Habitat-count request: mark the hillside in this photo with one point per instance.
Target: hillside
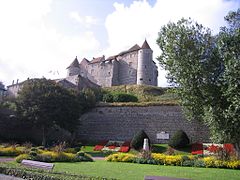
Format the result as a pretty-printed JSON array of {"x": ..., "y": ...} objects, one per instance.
[{"x": 147, "y": 95}]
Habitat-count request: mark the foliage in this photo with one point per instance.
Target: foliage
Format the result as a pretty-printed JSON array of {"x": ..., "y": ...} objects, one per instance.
[
  {"x": 138, "y": 139},
  {"x": 10, "y": 151},
  {"x": 46, "y": 104},
  {"x": 108, "y": 97},
  {"x": 144, "y": 93},
  {"x": 123, "y": 97},
  {"x": 179, "y": 139},
  {"x": 206, "y": 69},
  {"x": 175, "y": 160},
  {"x": 121, "y": 157},
  {"x": 51, "y": 156}
]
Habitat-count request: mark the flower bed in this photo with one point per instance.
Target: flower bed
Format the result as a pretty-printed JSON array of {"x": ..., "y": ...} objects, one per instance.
[
  {"x": 115, "y": 146},
  {"x": 175, "y": 160}
]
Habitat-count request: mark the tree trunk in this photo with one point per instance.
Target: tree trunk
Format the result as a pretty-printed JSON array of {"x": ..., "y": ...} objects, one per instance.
[
  {"x": 237, "y": 149},
  {"x": 43, "y": 136}
]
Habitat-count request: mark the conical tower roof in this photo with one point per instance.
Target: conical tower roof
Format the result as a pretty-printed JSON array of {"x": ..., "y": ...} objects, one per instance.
[
  {"x": 75, "y": 63},
  {"x": 145, "y": 45}
]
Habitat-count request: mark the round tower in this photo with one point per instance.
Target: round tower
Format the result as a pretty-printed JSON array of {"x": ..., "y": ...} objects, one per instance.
[
  {"x": 145, "y": 68},
  {"x": 74, "y": 68}
]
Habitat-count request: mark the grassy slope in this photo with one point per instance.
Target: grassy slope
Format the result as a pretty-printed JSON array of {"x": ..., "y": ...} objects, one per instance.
[
  {"x": 146, "y": 94},
  {"x": 132, "y": 171}
]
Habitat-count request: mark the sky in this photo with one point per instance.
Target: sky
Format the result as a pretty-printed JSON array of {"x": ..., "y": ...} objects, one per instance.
[{"x": 40, "y": 38}]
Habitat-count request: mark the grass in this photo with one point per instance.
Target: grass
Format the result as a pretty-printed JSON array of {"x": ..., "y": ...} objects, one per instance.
[
  {"x": 132, "y": 171},
  {"x": 147, "y": 95},
  {"x": 89, "y": 150}
]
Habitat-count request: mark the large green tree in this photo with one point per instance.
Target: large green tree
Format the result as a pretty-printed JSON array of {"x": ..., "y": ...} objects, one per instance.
[
  {"x": 48, "y": 105},
  {"x": 206, "y": 70}
]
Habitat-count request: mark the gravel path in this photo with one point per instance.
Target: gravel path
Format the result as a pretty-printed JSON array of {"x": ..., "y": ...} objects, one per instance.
[
  {"x": 5, "y": 177},
  {"x": 6, "y": 159}
]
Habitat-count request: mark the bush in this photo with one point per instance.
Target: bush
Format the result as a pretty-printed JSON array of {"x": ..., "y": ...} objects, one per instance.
[
  {"x": 107, "y": 98},
  {"x": 19, "y": 158},
  {"x": 121, "y": 157},
  {"x": 179, "y": 140},
  {"x": 138, "y": 139},
  {"x": 10, "y": 151},
  {"x": 50, "y": 156},
  {"x": 123, "y": 97}
]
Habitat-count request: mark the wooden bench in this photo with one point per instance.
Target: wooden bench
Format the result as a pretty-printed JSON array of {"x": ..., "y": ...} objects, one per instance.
[{"x": 37, "y": 164}]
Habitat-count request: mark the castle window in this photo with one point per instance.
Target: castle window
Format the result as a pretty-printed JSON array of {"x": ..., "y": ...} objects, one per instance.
[
  {"x": 150, "y": 80},
  {"x": 145, "y": 67},
  {"x": 92, "y": 71},
  {"x": 130, "y": 64},
  {"x": 109, "y": 73},
  {"x": 141, "y": 79}
]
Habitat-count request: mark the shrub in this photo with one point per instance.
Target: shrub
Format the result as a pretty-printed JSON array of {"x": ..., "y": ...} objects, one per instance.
[
  {"x": 21, "y": 157},
  {"x": 50, "y": 156},
  {"x": 123, "y": 97},
  {"x": 209, "y": 161},
  {"x": 199, "y": 163},
  {"x": 179, "y": 139},
  {"x": 138, "y": 139},
  {"x": 108, "y": 98},
  {"x": 121, "y": 157},
  {"x": 10, "y": 151},
  {"x": 189, "y": 163}
]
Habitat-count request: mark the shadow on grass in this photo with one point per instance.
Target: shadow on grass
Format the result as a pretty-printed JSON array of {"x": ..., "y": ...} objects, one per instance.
[{"x": 159, "y": 148}]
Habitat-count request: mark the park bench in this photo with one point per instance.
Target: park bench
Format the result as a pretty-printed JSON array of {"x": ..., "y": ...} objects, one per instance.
[{"x": 37, "y": 164}]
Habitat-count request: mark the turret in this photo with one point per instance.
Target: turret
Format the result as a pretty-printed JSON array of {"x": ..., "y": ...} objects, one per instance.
[
  {"x": 145, "y": 66},
  {"x": 74, "y": 68}
]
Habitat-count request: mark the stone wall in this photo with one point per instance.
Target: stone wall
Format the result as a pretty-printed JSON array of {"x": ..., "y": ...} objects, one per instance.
[{"x": 121, "y": 123}]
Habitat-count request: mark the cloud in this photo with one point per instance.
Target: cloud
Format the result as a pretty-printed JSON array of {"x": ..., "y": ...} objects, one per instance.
[
  {"x": 87, "y": 21},
  {"x": 129, "y": 25},
  {"x": 29, "y": 48}
]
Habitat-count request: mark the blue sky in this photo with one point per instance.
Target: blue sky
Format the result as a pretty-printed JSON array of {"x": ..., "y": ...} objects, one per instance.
[{"x": 41, "y": 37}]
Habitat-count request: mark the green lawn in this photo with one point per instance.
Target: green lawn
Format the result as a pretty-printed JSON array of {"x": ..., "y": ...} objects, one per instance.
[{"x": 133, "y": 171}]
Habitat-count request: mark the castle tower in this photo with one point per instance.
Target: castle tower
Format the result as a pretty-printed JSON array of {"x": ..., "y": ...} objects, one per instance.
[
  {"x": 74, "y": 68},
  {"x": 145, "y": 65}
]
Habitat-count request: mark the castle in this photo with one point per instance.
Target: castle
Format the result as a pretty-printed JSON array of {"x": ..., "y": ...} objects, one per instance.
[{"x": 134, "y": 66}]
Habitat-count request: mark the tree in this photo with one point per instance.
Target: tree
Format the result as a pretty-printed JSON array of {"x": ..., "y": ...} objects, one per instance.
[
  {"x": 47, "y": 105},
  {"x": 206, "y": 70}
]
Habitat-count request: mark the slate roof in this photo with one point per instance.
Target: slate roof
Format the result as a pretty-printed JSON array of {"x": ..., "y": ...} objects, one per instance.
[
  {"x": 75, "y": 63},
  {"x": 145, "y": 45},
  {"x": 84, "y": 61},
  {"x": 98, "y": 59},
  {"x": 134, "y": 48}
]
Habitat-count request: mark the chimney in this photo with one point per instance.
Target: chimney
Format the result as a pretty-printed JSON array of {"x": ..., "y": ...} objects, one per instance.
[
  {"x": 13, "y": 82},
  {"x": 17, "y": 81}
]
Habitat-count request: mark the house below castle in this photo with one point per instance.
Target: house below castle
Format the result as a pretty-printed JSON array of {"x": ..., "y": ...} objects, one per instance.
[{"x": 134, "y": 66}]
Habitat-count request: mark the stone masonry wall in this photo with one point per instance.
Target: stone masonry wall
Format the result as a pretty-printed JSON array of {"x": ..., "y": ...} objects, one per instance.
[{"x": 121, "y": 123}]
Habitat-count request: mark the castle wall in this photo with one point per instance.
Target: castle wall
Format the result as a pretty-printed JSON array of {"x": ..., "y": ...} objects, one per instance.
[
  {"x": 121, "y": 123},
  {"x": 128, "y": 68},
  {"x": 73, "y": 71}
]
